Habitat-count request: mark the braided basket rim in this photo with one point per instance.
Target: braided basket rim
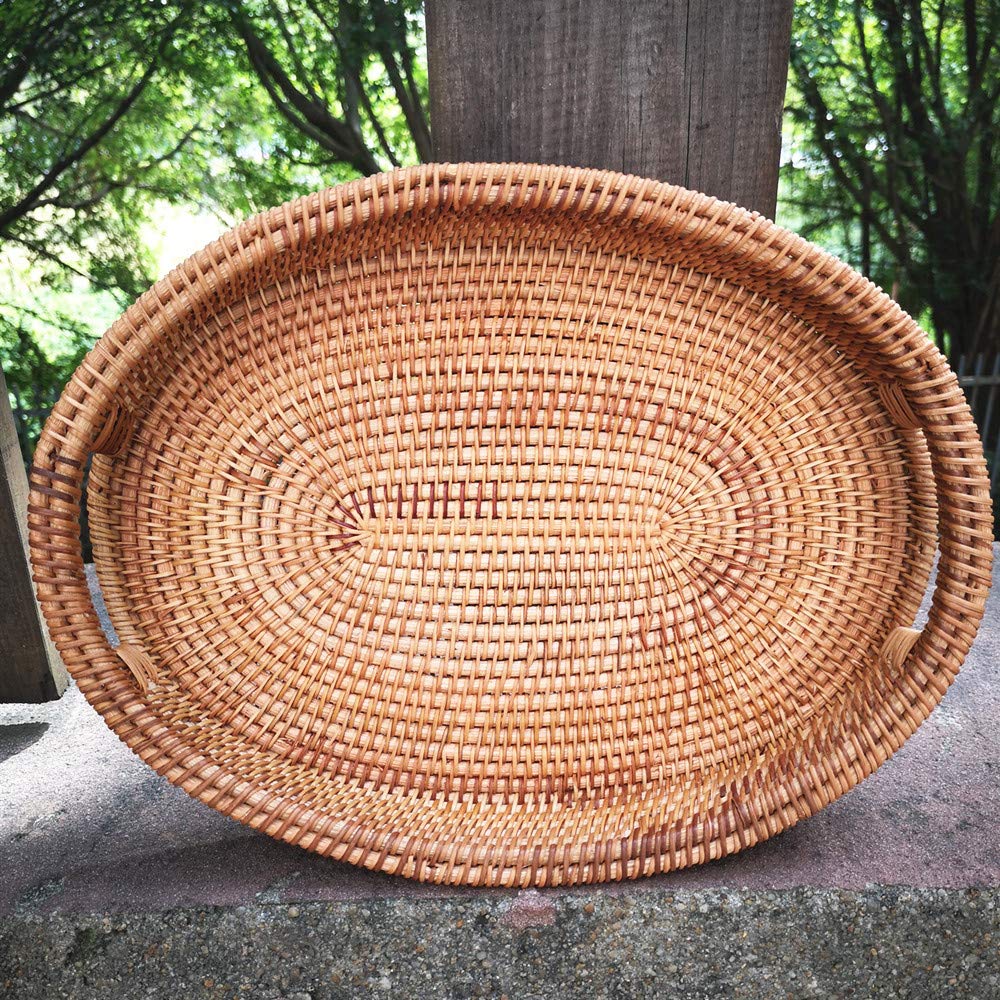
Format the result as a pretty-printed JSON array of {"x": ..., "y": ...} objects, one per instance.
[{"x": 772, "y": 260}]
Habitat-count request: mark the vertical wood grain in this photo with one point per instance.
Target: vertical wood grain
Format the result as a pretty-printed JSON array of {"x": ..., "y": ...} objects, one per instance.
[
  {"x": 30, "y": 668},
  {"x": 688, "y": 91}
]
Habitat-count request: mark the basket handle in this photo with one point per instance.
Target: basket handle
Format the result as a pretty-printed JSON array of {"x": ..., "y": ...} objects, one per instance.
[
  {"x": 901, "y": 640},
  {"x": 112, "y": 439},
  {"x": 897, "y": 646},
  {"x": 115, "y": 434},
  {"x": 937, "y": 408},
  {"x": 139, "y": 664},
  {"x": 897, "y": 406},
  {"x": 54, "y": 505}
]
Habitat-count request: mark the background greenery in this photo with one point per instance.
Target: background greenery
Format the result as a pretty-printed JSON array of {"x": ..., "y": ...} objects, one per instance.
[{"x": 134, "y": 132}]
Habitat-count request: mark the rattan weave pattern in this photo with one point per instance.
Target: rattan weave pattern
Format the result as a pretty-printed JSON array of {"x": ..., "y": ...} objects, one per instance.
[{"x": 508, "y": 524}]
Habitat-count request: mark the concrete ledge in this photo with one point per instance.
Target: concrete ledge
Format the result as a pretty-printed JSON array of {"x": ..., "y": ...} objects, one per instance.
[
  {"x": 115, "y": 884},
  {"x": 647, "y": 942}
]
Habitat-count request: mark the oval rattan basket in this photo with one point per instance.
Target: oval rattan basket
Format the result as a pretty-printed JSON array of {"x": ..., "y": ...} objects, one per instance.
[{"x": 508, "y": 524}]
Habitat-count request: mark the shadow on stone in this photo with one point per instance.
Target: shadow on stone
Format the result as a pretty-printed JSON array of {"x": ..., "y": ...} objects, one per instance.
[{"x": 14, "y": 739}]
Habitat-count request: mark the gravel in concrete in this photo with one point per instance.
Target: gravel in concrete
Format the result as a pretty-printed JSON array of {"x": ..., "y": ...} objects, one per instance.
[{"x": 650, "y": 942}]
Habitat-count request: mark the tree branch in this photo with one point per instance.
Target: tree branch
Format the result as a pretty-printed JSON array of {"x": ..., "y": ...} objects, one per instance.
[
  {"x": 408, "y": 96},
  {"x": 28, "y": 201},
  {"x": 298, "y": 108},
  {"x": 821, "y": 113},
  {"x": 42, "y": 251}
]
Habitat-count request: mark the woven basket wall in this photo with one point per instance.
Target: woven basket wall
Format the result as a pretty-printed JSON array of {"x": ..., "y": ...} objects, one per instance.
[{"x": 514, "y": 525}]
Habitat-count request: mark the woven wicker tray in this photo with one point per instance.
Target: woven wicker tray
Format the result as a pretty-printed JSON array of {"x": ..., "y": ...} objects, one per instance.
[{"x": 513, "y": 525}]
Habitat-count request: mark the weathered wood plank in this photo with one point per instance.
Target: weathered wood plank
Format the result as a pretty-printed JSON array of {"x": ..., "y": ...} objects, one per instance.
[
  {"x": 688, "y": 91},
  {"x": 30, "y": 668}
]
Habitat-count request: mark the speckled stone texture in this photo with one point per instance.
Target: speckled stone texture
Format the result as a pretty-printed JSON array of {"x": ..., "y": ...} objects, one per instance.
[
  {"x": 647, "y": 942},
  {"x": 115, "y": 884}
]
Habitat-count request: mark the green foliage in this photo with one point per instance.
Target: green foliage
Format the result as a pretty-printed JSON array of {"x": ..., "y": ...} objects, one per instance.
[
  {"x": 344, "y": 78},
  {"x": 107, "y": 106},
  {"x": 34, "y": 377},
  {"x": 894, "y": 116},
  {"x": 110, "y": 109},
  {"x": 91, "y": 128}
]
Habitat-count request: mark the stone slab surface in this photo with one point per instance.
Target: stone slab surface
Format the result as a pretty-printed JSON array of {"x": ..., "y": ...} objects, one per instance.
[
  {"x": 648, "y": 942},
  {"x": 106, "y": 868}
]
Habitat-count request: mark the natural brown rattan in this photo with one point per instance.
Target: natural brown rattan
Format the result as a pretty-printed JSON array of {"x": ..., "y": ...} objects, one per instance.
[{"x": 514, "y": 525}]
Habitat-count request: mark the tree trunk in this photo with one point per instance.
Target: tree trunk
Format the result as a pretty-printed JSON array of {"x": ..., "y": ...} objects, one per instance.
[
  {"x": 30, "y": 668},
  {"x": 687, "y": 91}
]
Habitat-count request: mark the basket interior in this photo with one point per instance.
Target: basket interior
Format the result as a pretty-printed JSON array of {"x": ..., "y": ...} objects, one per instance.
[
  {"x": 515, "y": 515},
  {"x": 513, "y": 525}
]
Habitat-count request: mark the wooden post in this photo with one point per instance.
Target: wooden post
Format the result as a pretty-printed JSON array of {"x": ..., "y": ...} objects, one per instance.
[
  {"x": 687, "y": 91},
  {"x": 30, "y": 668}
]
